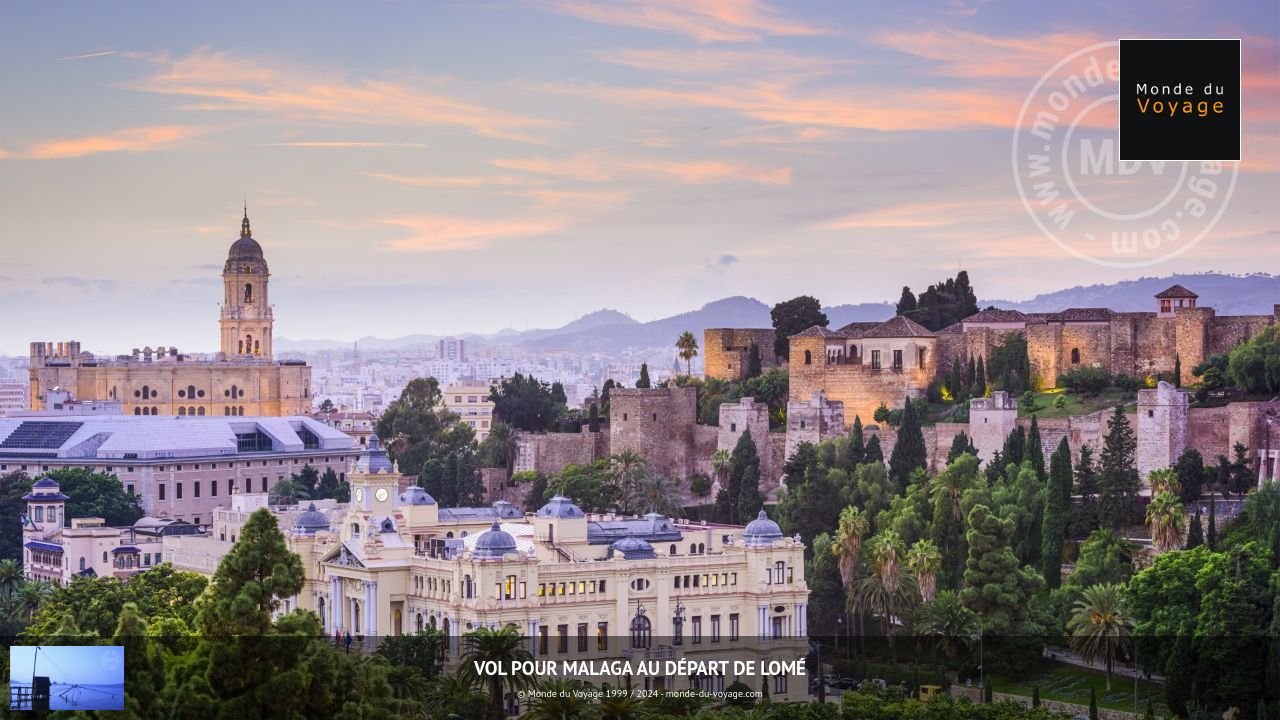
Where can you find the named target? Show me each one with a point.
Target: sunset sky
(453, 167)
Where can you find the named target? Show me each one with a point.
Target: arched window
(146, 392)
(248, 342)
(191, 411)
(248, 292)
(104, 556)
(673, 550)
(1075, 356)
(200, 411)
(257, 347)
(702, 548)
(468, 587)
(419, 623)
(82, 563)
(240, 348)
(137, 411)
(641, 632)
(191, 391)
(808, 358)
(182, 411)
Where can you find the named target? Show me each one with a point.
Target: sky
(451, 167)
(75, 664)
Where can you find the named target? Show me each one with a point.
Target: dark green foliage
(1088, 380)
(874, 453)
(744, 478)
(909, 452)
(536, 497)
(307, 479)
(1190, 469)
(1015, 447)
(960, 445)
(416, 428)
(1177, 371)
(95, 494)
(13, 486)
(1254, 365)
(1211, 534)
(980, 383)
(1009, 367)
(1035, 695)
(826, 592)
(525, 403)
(644, 381)
(593, 421)
(793, 316)
(857, 447)
(751, 501)
(1241, 476)
(942, 304)
(999, 590)
(906, 301)
(94, 603)
(1118, 481)
(754, 364)
(1104, 557)
(1034, 451)
(1093, 703)
(1055, 514)
(700, 485)
(326, 406)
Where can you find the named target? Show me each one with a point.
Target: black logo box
(1187, 68)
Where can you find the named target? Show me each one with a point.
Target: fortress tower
(1162, 428)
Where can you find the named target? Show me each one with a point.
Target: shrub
(700, 485)
(1128, 382)
(1060, 402)
(1088, 380)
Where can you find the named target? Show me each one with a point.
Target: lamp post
(678, 623)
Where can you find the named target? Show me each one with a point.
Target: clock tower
(374, 482)
(246, 311)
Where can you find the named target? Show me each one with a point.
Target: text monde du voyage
(1179, 99)
(622, 668)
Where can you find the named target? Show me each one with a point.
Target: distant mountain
(610, 330)
(1228, 294)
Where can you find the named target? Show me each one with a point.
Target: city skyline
(428, 167)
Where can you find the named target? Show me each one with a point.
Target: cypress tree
(744, 456)
(643, 382)
(957, 383)
(909, 451)
(1015, 447)
(857, 447)
(751, 501)
(980, 378)
(1195, 533)
(874, 453)
(971, 375)
(593, 418)
(1150, 714)
(994, 469)
(1118, 481)
(1177, 371)
(1211, 537)
(960, 445)
(1034, 450)
(754, 366)
(1055, 515)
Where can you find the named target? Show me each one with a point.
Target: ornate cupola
(247, 321)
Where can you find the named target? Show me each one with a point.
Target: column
(1263, 463)
(453, 636)
(335, 603)
(533, 637)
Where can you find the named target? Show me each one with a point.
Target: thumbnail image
(52, 677)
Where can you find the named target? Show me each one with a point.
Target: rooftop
(1175, 291)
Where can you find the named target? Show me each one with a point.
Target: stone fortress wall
(725, 351)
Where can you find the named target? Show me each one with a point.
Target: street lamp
(678, 623)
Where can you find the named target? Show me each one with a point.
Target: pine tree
(909, 451)
(1118, 482)
(643, 382)
(874, 453)
(1211, 536)
(1055, 515)
(1195, 533)
(754, 365)
(906, 302)
(1015, 447)
(1034, 450)
(993, 565)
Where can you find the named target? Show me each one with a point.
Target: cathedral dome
(311, 521)
(633, 548)
(761, 532)
(246, 248)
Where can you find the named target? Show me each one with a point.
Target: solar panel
(41, 435)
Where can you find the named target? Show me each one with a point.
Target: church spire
(244, 224)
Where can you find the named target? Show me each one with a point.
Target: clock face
(381, 494)
(359, 494)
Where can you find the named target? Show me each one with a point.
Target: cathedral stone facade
(241, 379)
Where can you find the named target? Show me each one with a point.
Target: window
(562, 639)
(1075, 356)
(264, 484)
(697, 629)
(641, 632)
(733, 627)
(178, 490)
(582, 637)
(733, 427)
(808, 358)
(602, 636)
(715, 628)
(39, 513)
(875, 359)
(213, 488)
(779, 684)
(542, 639)
(161, 491)
(897, 359)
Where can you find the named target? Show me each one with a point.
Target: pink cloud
(595, 166)
(140, 139)
(454, 181)
(703, 20)
(440, 233)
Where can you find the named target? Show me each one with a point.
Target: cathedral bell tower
(246, 310)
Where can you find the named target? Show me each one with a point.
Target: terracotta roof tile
(1176, 291)
(996, 315)
(899, 327)
(1082, 315)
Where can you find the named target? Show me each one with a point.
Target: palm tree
(1164, 479)
(924, 559)
(652, 493)
(10, 577)
(948, 621)
(449, 691)
(504, 439)
(721, 463)
(504, 646)
(888, 591)
(688, 346)
(626, 465)
(1100, 625)
(559, 699)
(1167, 520)
(619, 707)
(29, 597)
(848, 542)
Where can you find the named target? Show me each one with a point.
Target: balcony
(661, 652)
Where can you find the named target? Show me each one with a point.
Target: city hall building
(578, 586)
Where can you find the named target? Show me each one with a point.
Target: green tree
(1015, 446)
(887, 591)
(417, 428)
(1034, 452)
(644, 381)
(924, 559)
(999, 590)
(525, 403)
(1100, 626)
(96, 494)
(687, 344)
(330, 486)
(793, 316)
(1254, 365)
(874, 453)
(308, 479)
(504, 646)
(1055, 515)
(1195, 532)
(847, 543)
(1211, 538)
(1190, 469)
(947, 490)
(961, 444)
(326, 406)
(1009, 366)
(906, 302)
(909, 452)
(1118, 481)
(744, 457)
(287, 492)
(1167, 521)
(942, 303)
(1105, 557)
